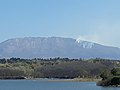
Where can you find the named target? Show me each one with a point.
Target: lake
(47, 85)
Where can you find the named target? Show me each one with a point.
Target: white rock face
(85, 44)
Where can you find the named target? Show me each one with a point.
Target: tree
(115, 71)
(105, 75)
(115, 81)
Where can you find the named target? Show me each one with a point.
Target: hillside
(48, 47)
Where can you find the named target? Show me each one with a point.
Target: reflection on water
(47, 85)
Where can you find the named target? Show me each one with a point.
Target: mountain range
(49, 47)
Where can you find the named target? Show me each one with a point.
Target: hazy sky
(91, 20)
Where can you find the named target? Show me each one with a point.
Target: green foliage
(115, 71)
(105, 82)
(115, 81)
(57, 67)
(110, 79)
(105, 75)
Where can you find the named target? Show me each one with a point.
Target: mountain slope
(31, 47)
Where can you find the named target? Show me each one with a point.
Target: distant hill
(46, 47)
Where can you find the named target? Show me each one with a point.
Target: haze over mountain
(48, 47)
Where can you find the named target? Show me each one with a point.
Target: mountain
(46, 47)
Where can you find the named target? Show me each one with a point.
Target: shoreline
(67, 80)
(54, 79)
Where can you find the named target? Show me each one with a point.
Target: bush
(115, 81)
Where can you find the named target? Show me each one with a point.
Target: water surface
(47, 85)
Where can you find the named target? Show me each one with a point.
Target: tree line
(55, 67)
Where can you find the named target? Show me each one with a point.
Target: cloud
(91, 38)
(103, 33)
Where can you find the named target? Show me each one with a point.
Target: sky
(91, 20)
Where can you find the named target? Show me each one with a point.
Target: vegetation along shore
(61, 68)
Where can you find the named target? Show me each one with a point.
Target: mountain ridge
(47, 47)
